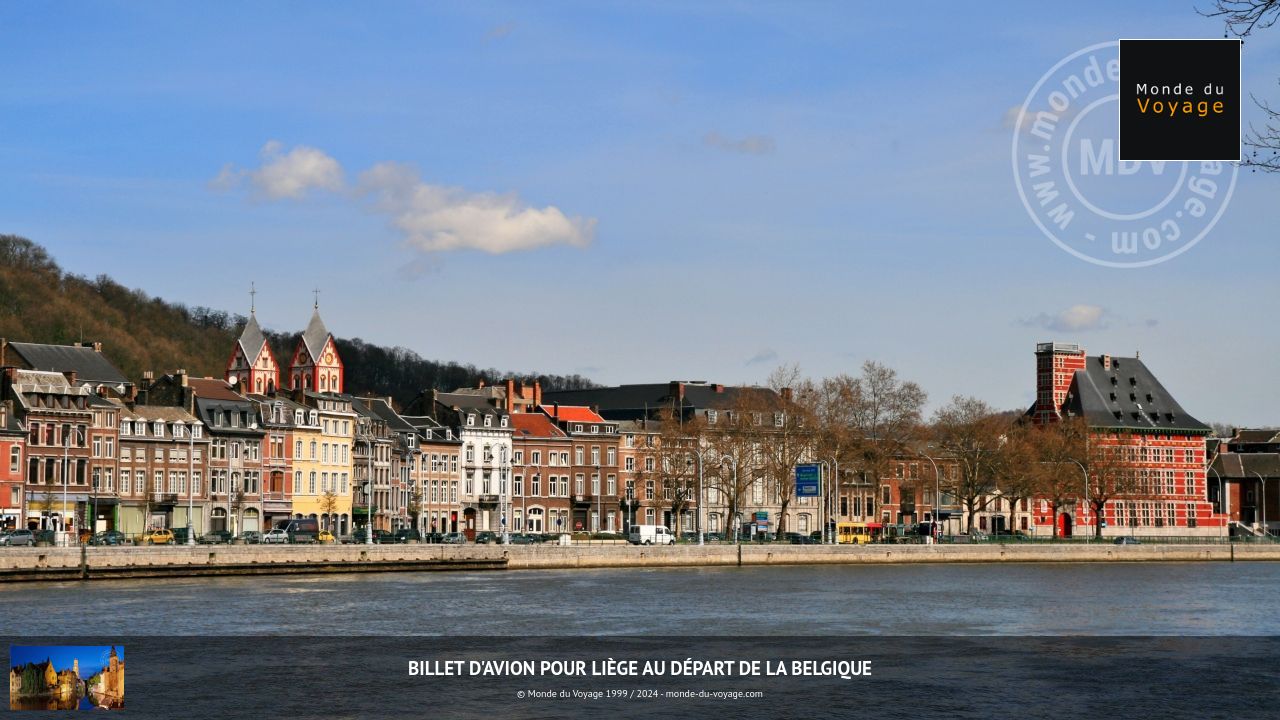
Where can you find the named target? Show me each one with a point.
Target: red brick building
(1160, 444)
(12, 442)
(594, 491)
(540, 453)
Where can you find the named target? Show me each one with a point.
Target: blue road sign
(808, 480)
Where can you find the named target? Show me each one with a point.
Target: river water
(930, 600)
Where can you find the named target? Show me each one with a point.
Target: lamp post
(93, 524)
(368, 514)
(1086, 496)
(191, 479)
(701, 527)
(1222, 497)
(1263, 482)
(937, 496)
(66, 467)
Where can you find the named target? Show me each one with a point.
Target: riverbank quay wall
(17, 564)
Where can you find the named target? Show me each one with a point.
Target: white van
(651, 535)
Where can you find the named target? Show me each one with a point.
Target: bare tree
(884, 415)
(1016, 472)
(971, 434)
(734, 457)
(1241, 18)
(1111, 475)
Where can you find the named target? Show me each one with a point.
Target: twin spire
(314, 366)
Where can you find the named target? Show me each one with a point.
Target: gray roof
(1244, 465)
(251, 338)
(89, 365)
(315, 335)
(381, 410)
(473, 403)
(1127, 396)
(628, 402)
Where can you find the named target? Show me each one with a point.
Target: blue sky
(680, 190)
(92, 657)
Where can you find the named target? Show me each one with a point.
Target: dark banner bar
(677, 677)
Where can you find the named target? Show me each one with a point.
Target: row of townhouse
(82, 447)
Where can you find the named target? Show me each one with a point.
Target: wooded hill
(41, 303)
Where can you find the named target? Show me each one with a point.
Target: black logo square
(1180, 100)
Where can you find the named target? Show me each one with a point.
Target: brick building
(12, 442)
(163, 465)
(540, 453)
(1244, 480)
(594, 492)
(1162, 447)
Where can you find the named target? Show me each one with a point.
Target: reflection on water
(989, 599)
(61, 703)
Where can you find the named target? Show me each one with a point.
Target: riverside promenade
(91, 563)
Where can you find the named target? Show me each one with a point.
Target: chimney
(718, 388)
(4, 350)
(97, 347)
(511, 394)
(1106, 362)
(537, 392)
(676, 390)
(71, 376)
(182, 377)
(555, 411)
(786, 394)
(481, 383)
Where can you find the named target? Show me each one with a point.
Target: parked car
(216, 537)
(1128, 540)
(453, 539)
(651, 535)
(524, 539)
(433, 538)
(250, 537)
(161, 536)
(407, 535)
(379, 536)
(799, 539)
(487, 537)
(325, 537)
(18, 537)
(300, 530)
(278, 536)
(108, 537)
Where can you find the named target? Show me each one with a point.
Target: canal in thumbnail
(942, 599)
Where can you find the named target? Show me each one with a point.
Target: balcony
(487, 499)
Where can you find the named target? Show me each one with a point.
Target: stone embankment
(131, 562)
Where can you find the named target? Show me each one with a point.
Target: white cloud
(284, 175)
(435, 218)
(749, 145)
(1077, 318)
(432, 218)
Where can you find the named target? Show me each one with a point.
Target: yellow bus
(859, 533)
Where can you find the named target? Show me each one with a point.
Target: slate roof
(379, 408)
(626, 402)
(1244, 465)
(1251, 437)
(252, 338)
(89, 365)
(1126, 396)
(473, 403)
(315, 336)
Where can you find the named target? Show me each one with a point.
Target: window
(535, 486)
(311, 484)
(613, 485)
(488, 420)
(15, 460)
(629, 463)
(578, 456)
(611, 456)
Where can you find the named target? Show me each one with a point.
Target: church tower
(253, 367)
(316, 365)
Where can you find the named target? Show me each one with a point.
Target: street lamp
(1222, 497)
(937, 496)
(191, 479)
(93, 524)
(368, 515)
(1263, 482)
(66, 447)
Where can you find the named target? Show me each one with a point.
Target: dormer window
(314, 419)
(179, 430)
(157, 428)
(126, 428)
(471, 420)
(711, 417)
(488, 420)
(577, 428)
(595, 429)
(777, 419)
(197, 431)
(504, 422)
(141, 427)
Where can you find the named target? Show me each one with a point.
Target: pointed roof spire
(253, 291)
(316, 334)
(252, 338)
